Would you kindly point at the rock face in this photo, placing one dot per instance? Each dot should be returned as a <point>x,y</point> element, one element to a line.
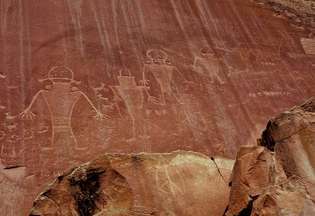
<point>278,177</point>
<point>11,190</point>
<point>299,12</point>
<point>179,183</point>
<point>80,78</point>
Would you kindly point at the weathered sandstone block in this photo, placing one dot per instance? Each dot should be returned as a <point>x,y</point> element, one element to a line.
<point>178,183</point>
<point>278,177</point>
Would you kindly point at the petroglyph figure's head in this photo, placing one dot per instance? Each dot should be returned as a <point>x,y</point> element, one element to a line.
<point>60,74</point>
<point>157,56</point>
<point>206,52</point>
<point>125,78</point>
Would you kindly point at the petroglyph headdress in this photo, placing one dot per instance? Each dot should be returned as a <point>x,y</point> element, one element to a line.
<point>61,73</point>
<point>157,55</point>
<point>206,52</point>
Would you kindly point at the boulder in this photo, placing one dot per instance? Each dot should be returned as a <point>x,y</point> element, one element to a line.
<point>278,176</point>
<point>178,183</point>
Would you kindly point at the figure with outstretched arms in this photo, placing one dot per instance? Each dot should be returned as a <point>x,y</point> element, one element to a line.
<point>60,98</point>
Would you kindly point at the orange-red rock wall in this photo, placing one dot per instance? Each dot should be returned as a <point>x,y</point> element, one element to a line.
<point>151,76</point>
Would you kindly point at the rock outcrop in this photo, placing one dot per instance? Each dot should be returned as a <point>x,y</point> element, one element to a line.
<point>299,12</point>
<point>179,183</point>
<point>278,176</point>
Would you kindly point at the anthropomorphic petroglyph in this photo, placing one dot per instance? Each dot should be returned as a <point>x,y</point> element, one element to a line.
<point>208,64</point>
<point>60,98</point>
<point>133,96</point>
<point>167,86</point>
<point>159,69</point>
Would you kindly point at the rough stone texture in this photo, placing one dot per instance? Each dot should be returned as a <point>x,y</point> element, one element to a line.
<point>278,177</point>
<point>158,75</point>
<point>11,190</point>
<point>179,183</point>
<point>299,12</point>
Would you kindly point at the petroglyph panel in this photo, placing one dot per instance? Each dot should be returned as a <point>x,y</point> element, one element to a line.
<point>80,78</point>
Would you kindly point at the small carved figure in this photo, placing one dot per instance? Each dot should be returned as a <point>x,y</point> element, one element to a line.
<point>133,97</point>
<point>208,64</point>
<point>159,66</point>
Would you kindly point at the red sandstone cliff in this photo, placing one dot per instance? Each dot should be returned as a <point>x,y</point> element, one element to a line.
<point>276,178</point>
<point>138,75</point>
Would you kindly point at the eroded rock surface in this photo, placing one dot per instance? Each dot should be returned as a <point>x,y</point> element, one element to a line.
<point>278,177</point>
<point>299,12</point>
<point>11,189</point>
<point>179,183</point>
<point>80,78</point>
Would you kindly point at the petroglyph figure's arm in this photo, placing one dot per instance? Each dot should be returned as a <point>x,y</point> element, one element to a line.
<point>27,113</point>
<point>98,115</point>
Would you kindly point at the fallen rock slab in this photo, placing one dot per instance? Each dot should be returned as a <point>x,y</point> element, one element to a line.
<point>178,183</point>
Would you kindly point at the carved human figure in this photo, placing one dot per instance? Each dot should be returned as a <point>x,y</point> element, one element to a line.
<point>133,97</point>
<point>159,69</point>
<point>60,97</point>
<point>167,86</point>
<point>207,64</point>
